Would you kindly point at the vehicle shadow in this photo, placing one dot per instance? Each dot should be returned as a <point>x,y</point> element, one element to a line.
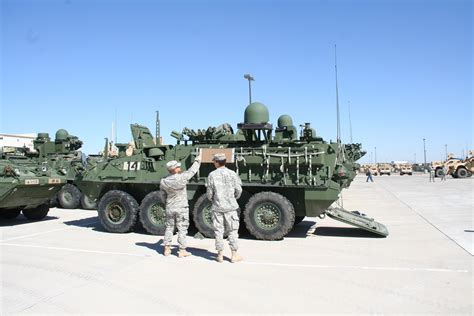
<point>20,220</point>
<point>90,222</point>
<point>159,248</point>
<point>352,232</point>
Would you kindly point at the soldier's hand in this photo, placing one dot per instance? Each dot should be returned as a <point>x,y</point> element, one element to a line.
<point>198,157</point>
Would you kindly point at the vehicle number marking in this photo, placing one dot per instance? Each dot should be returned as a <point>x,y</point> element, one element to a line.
<point>54,180</point>
<point>131,165</point>
<point>31,181</point>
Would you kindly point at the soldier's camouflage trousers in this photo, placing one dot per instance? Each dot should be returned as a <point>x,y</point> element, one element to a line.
<point>226,224</point>
<point>180,219</point>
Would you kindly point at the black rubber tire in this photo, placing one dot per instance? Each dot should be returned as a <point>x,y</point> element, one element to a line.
<point>204,226</point>
<point>299,219</point>
<point>127,203</point>
<point>462,173</point>
<point>75,196</point>
<point>87,204</point>
<point>37,213</point>
<point>152,226</point>
<point>54,202</point>
<point>389,174</point>
<point>286,221</point>
<point>10,214</point>
<point>438,173</point>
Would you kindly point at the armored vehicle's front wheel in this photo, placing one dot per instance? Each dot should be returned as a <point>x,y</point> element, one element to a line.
<point>269,216</point>
<point>9,214</point>
<point>118,211</point>
<point>461,173</point>
<point>69,196</point>
<point>439,173</point>
<point>87,204</point>
<point>202,216</point>
<point>37,213</point>
<point>153,213</point>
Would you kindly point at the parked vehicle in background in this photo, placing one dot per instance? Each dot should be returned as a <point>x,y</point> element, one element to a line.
<point>385,168</point>
<point>406,169</point>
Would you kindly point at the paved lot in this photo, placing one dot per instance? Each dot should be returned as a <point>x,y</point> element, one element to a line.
<point>68,264</point>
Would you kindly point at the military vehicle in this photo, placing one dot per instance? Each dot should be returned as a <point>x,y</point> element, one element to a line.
<point>26,186</point>
<point>406,169</point>
<point>374,170</point>
<point>63,155</point>
<point>437,166</point>
<point>285,176</point>
<point>384,168</point>
<point>459,168</point>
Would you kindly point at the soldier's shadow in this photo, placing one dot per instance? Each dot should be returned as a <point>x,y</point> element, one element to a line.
<point>159,248</point>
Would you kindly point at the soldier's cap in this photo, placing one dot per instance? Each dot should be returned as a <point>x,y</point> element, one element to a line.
<point>219,157</point>
<point>172,164</point>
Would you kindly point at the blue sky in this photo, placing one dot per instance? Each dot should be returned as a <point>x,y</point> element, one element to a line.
<point>405,66</point>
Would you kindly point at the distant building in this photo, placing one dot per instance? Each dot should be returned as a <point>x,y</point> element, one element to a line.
<point>17,141</point>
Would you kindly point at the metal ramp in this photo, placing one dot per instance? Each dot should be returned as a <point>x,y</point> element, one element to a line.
<point>357,219</point>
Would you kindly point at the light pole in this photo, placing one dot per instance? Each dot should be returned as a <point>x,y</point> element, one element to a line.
<point>415,158</point>
<point>375,157</point>
<point>424,150</point>
<point>250,79</point>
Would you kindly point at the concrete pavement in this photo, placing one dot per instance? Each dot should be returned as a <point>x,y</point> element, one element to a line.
<point>68,264</point>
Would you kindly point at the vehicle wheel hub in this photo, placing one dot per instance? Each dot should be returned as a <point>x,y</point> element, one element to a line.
<point>158,214</point>
<point>267,216</point>
<point>115,213</point>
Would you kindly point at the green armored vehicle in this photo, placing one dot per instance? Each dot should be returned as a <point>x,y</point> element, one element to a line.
<point>26,186</point>
<point>63,155</point>
<point>285,176</point>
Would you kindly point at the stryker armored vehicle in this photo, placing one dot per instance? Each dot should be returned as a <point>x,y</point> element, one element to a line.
<point>285,176</point>
<point>26,186</point>
<point>63,155</point>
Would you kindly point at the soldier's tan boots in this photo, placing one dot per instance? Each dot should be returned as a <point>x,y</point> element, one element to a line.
<point>167,251</point>
<point>220,256</point>
<point>235,257</point>
<point>183,253</point>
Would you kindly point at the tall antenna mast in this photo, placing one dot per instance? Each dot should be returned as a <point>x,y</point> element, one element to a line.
<point>350,120</point>
<point>337,98</point>
<point>157,131</point>
<point>115,140</point>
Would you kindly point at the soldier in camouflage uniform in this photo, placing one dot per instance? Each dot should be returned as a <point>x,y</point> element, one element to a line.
<point>173,189</point>
<point>224,187</point>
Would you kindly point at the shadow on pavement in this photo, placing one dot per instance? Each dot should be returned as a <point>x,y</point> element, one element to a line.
<point>159,248</point>
<point>20,220</point>
<point>344,232</point>
<point>90,222</point>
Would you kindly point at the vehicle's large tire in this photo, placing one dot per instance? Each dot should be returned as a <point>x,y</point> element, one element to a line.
<point>118,211</point>
<point>54,202</point>
<point>10,214</point>
<point>269,216</point>
<point>87,204</point>
<point>438,173</point>
<point>69,196</point>
<point>153,213</point>
<point>36,213</point>
<point>462,173</point>
<point>202,216</point>
<point>299,219</point>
